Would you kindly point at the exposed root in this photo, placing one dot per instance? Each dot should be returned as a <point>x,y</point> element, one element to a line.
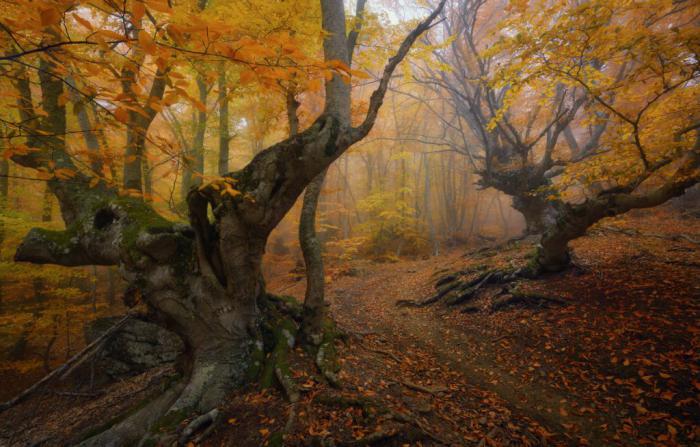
<point>201,423</point>
<point>284,332</point>
<point>454,290</point>
<point>370,407</point>
<point>377,438</point>
<point>420,426</point>
<point>423,388</point>
<point>514,298</point>
<point>389,354</point>
<point>442,291</point>
<point>129,428</point>
<point>327,359</point>
<point>211,377</point>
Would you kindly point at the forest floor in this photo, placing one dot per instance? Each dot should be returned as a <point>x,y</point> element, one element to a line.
<point>614,361</point>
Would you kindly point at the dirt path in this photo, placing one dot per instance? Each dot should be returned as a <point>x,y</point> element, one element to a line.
<point>467,354</point>
<point>618,365</point>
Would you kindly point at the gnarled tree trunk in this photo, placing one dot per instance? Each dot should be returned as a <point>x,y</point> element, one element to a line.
<point>574,220</point>
<point>203,281</point>
<point>536,210</point>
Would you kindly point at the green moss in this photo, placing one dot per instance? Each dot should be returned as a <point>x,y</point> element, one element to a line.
<point>276,439</point>
<point>284,334</point>
<point>326,354</point>
<point>59,238</point>
<point>533,267</point>
<point>257,360</point>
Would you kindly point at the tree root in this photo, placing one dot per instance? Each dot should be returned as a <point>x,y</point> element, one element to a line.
<point>204,422</point>
<point>326,357</point>
<point>513,298</point>
<point>425,389</point>
<point>161,417</point>
<point>389,354</point>
<point>370,407</point>
<point>276,366</point>
<point>453,290</point>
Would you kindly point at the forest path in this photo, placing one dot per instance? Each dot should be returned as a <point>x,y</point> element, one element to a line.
<point>368,304</point>
<point>617,365</point>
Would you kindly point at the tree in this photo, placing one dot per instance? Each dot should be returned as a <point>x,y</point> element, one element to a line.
<point>641,81</point>
<point>314,298</point>
<point>203,281</point>
<point>509,133</point>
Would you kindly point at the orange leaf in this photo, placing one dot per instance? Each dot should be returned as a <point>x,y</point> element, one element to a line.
<point>146,42</point>
<point>84,22</point>
<point>158,5</point>
<point>49,16</point>
<point>247,77</point>
<point>121,115</point>
<point>138,10</point>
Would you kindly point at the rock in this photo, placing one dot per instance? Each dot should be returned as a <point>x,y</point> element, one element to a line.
<point>137,347</point>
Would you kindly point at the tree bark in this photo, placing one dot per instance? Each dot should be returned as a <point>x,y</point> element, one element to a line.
<point>314,298</point>
<point>536,211</point>
<point>573,220</point>
<point>193,159</point>
<point>224,137</point>
<point>336,47</point>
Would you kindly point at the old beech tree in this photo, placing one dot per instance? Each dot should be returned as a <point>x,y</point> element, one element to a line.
<point>203,281</point>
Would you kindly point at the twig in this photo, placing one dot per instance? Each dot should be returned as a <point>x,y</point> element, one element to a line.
<point>502,337</point>
<point>382,351</point>
<point>29,391</point>
<point>412,420</point>
<point>425,389</point>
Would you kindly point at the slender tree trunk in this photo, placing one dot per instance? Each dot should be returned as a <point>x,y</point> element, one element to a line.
<point>47,205</point>
<point>80,109</point>
<point>434,243</point>
<point>198,146</point>
<point>4,191</point>
<point>147,181</point>
<point>314,299</point>
<point>224,137</point>
<point>193,163</point>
